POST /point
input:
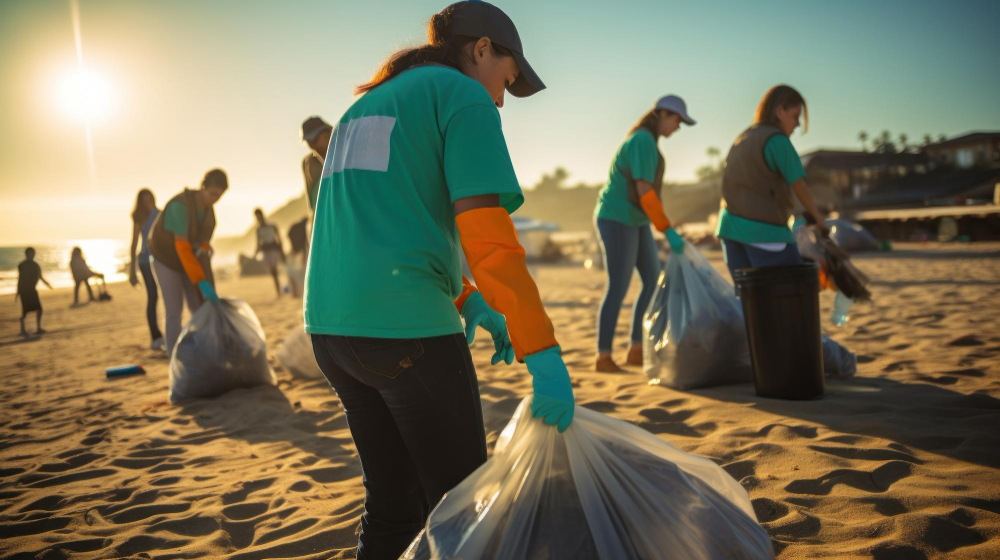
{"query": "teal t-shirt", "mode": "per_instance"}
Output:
(175, 217)
(384, 258)
(639, 156)
(781, 157)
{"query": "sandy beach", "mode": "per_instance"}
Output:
(900, 462)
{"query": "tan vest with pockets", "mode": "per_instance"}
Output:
(161, 241)
(749, 188)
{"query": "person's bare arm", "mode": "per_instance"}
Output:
(473, 202)
(44, 281)
(805, 197)
(136, 232)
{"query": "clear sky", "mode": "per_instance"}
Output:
(192, 85)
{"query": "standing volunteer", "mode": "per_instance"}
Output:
(625, 208)
(143, 216)
(756, 198)
(417, 168)
(269, 243)
(316, 135)
(181, 253)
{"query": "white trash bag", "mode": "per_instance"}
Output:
(602, 490)
(837, 360)
(296, 279)
(220, 349)
(693, 330)
(296, 355)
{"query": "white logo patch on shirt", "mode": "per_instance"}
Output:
(361, 143)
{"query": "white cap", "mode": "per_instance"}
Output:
(675, 104)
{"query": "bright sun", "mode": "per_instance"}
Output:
(84, 95)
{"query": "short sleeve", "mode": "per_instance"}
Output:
(781, 157)
(643, 157)
(476, 160)
(175, 218)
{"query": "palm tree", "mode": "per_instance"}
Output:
(902, 141)
(863, 136)
(713, 153)
(927, 140)
(942, 137)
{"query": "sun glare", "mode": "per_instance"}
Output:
(84, 95)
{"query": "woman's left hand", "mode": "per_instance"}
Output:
(477, 313)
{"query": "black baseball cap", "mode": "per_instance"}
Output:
(312, 126)
(475, 18)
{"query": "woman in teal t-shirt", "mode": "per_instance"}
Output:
(762, 171)
(416, 169)
(627, 205)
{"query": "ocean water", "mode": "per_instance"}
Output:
(108, 256)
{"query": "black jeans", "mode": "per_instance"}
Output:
(414, 412)
(151, 298)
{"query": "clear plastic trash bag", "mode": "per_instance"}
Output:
(693, 331)
(221, 348)
(296, 279)
(602, 490)
(837, 360)
(296, 355)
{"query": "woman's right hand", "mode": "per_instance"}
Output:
(132, 278)
(553, 400)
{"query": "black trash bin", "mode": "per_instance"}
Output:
(781, 312)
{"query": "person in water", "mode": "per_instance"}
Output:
(143, 216)
(269, 243)
(81, 275)
(179, 243)
(626, 207)
(416, 169)
(28, 276)
(763, 170)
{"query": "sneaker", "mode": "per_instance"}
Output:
(158, 344)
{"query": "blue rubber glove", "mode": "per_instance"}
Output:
(553, 393)
(208, 292)
(675, 240)
(477, 313)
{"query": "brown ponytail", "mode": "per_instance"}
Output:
(442, 48)
(780, 96)
(139, 213)
(651, 122)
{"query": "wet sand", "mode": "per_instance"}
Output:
(902, 461)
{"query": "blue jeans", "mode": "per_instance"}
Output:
(740, 255)
(625, 248)
(414, 412)
(151, 298)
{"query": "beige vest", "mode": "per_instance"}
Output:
(161, 241)
(749, 188)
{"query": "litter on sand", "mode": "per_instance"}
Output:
(220, 349)
(602, 490)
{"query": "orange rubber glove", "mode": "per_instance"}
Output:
(190, 262)
(498, 263)
(653, 208)
(467, 290)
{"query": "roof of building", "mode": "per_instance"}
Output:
(970, 138)
(846, 159)
(922, 189)
(926, 213)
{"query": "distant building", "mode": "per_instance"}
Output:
(943, 190)
(976, 149)
(838, 175)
